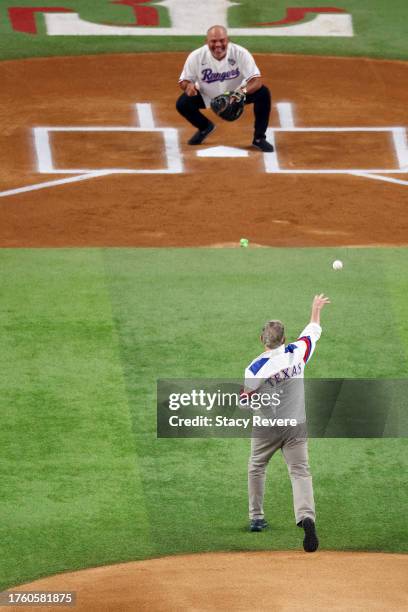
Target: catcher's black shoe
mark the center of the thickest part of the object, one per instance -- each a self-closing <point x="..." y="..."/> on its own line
<point x="310" y="541"/>
<point x="263" y="145"/>
<point x="258" y="525"/>
<point x="201" y="135"/>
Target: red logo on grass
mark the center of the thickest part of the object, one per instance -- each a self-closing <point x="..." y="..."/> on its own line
<point x="22" y="18"/>
<point x="294" y="15"/>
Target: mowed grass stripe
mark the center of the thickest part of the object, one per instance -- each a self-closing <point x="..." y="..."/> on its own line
<point x="396" y="280"/>
<point x="197" y="313"/>
<point x="70" y="494"/>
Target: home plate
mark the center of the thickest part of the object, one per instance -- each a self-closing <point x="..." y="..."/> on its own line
<point x="222" y="152"/>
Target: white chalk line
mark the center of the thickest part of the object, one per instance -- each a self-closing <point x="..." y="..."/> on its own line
<point x="97" y="128"/>
<point x="42" y="150"/>
<point x="271" y="161"/>
<point x="145" y="116"/>
<point x="399" y="136"/>
<point x="285" y="112"/>
<point x="56" y="182"/>
<point x="287" y="124"/>
<point x="379" y="177"/>
<point x="336" y="129"/>
<point x="45" y="163"/>
<point x="95" y="174"/>
<point x="343" y="171"/>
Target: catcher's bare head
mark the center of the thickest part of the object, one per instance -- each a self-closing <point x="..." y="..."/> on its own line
<point x="217" y="41"/>
<point x="273" y="334"/>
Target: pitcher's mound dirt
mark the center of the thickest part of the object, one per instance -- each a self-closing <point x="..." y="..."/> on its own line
<point x="273" y="581"/>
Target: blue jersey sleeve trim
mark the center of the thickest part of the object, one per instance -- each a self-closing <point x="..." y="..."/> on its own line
<point x="257" y="365"/>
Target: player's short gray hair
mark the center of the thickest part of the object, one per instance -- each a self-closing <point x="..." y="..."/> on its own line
<point x="273" y="334"/>
<point x="218" y="27"/>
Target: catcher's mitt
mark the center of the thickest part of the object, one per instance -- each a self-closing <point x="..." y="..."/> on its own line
<point x="229" y="105"/>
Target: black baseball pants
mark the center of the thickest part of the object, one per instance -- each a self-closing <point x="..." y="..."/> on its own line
<point x="189" y="107"/>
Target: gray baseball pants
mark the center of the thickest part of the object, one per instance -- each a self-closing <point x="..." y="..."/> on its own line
<point x="295" y="453"/>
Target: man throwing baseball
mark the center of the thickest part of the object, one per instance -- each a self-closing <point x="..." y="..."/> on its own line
<point x="213" y="69"/>
<point x="281" y="368"/>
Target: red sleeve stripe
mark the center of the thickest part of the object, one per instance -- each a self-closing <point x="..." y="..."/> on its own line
<point x="308" y="347"/>
<point x="253" y="76"/>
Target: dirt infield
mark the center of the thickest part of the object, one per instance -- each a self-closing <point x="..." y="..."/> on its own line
<point x="273" y="581"/>
<point x="214" y="200"/>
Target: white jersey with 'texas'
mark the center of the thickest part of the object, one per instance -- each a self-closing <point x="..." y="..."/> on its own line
<point x="213" y="76"/>
<point x="284" y="362"/>
<point x="282" y="369"/>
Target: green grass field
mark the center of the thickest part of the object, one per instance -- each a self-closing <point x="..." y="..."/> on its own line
<point x="380" y="30"/>
<point x="86" y="333"/>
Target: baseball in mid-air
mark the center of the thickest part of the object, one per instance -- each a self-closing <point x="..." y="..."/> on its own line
<point x="337" y="265"/>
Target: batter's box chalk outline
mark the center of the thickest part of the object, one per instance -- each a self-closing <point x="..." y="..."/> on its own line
<point x="174" y="159"/>
<point x="144" y="116"/>
<point x="398" y="139"/>
<point x="45" y="163"/>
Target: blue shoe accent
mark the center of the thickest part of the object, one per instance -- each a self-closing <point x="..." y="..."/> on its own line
<point x="258" y="525"/>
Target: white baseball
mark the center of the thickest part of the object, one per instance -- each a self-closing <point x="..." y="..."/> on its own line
<point x="337" y="265"/>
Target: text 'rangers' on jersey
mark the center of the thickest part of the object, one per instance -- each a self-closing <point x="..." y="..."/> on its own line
<point x="213" y="69"/>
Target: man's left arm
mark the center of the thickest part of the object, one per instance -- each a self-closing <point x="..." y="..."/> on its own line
<point x="252" y="80"/>
<point x="251" y="86"/>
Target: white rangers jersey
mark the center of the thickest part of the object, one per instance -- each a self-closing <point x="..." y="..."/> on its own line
<point x="282" y="370"/>
<point x="213" y="77"/>
<point x="284" y="362"/>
